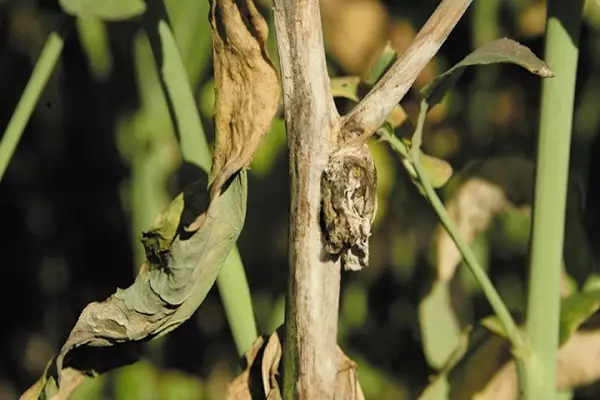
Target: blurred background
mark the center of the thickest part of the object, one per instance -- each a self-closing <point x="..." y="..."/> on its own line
<point x="97" y="163"/>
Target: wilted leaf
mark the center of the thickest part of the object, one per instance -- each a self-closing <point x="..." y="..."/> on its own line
<point x="472" y="208"/>
<point x="247" y="86"/>
<point x="498" y="51"/>
<point x="440" y="328"/>
<point x="260" y="378"/>
<point x="165" y="293"/>
<point x="109" y="10"/>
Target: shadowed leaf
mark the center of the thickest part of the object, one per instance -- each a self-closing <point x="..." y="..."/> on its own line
<point x="499" y="51"/>
<point x="109" y="10"/>
<point x="167" y="291"/>
<point x="262" y="373"/>
<point x="247" y="86"/>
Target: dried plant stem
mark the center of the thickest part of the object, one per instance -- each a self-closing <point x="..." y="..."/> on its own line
<point x="310" y="349"/>
<point x="373" y="110"/>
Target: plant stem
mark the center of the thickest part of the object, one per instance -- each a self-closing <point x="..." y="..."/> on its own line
<point x="510" y="327"/>
<point x="39" y="77"/>
<point x="178" y="93"/>
<point x="563" y="26"/>
<point x="237" y="301"/>
<point x="508" y="323"/>
<point x="310" y="358"/>
<point x="232" y="282"/>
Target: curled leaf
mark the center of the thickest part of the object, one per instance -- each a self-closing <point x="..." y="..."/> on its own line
<point x="165" y="293"/>
<point x="246" y="83"/>
<point x="261" y="376"/>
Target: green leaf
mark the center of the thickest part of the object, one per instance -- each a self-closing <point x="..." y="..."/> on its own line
<point x="575" y="310"/>
<point x="499" y="51"/>
<point x="439" y="171"/>
<point x="161" y="298"/>
<point x="440" y="329"/>
<point x="381" y="65"/>
<point x="346" y="87"/>
<point x="108" y="10"/>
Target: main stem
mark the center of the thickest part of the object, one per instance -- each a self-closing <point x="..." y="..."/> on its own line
<point x="310" y="346"/>
<point x="543" y="307"/>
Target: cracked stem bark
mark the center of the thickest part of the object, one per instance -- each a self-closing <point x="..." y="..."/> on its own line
<point x="372" y="111"/>
<point x="310" y="346"/>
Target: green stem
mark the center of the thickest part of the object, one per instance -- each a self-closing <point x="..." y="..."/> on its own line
<point x="232" y="282"/>
<point x="37" y="82"/>
<point x="508" y="323"/>
<point x="178" y="93"/>
<point x="235" y="294"/>
<point x="543" y="306"/>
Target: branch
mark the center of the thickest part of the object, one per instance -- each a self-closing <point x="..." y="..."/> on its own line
<point x="310" y="350"/>
<point x="373" y="110"/>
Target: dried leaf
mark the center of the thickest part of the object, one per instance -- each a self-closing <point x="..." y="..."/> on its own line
<point x="498" y="51"/>
<point x="165" y="293"/>
<point x="109" y="10"/>
<point x="472" y="208"/>
<point x="247" y="86"/>
<point x="260" y="378"/>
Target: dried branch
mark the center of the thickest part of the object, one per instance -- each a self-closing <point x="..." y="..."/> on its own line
<point x="311" y="361"/>
<point x="373" y="110"/>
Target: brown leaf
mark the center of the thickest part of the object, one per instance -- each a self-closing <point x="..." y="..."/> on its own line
<point x="577" y="365"/>
<point x="246" y="85"/>
<point x="259" y="380"/>
<point x="472" y="208"/>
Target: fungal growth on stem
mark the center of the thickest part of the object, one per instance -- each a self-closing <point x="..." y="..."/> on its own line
<point x="348" y="188"/>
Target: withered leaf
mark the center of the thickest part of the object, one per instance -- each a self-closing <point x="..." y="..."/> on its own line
<point x="163" y="296"/>
<point x="246" y="85"/>
<point x="260" y="378"/>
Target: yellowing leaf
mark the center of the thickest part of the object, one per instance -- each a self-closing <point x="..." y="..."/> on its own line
<point x="246" y="85"/>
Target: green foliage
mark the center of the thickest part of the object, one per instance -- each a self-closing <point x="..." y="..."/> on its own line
<point x="495" y="52"/>
<point x="109" y="10"/>
<point x="440" y="328"/>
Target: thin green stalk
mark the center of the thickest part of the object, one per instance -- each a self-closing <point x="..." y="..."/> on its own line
<point x="37" y="82"/>
<point x="498" y="306"/>
<point x="563" y="26"/>
<point x="484" y="29"/>
<point x="178" y="93"/>
<point x="500" y="309"/>
<point x="236" y="298"/>
<point x="232" y="282"/>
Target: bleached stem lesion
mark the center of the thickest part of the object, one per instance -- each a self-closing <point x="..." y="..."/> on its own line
<point x="373" y="110"/>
